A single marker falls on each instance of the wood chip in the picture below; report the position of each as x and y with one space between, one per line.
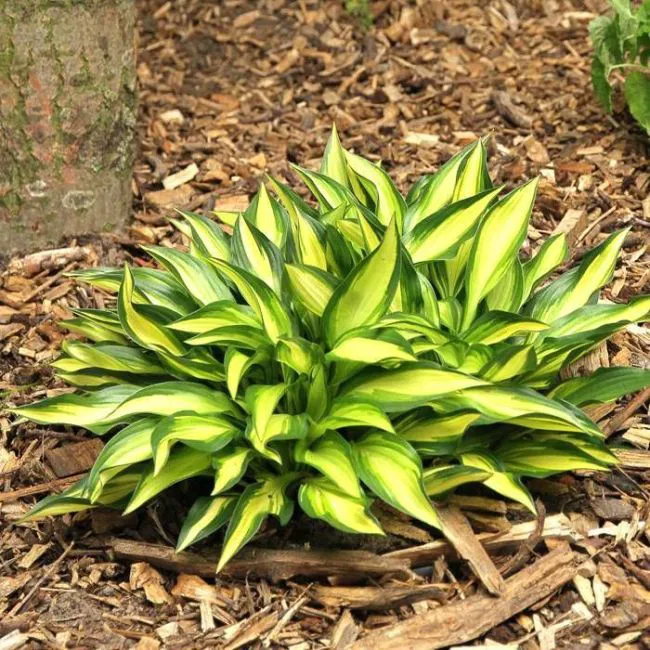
75 458
458 531
180 178
144 576
169 199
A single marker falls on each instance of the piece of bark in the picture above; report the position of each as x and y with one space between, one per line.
618 420
33 264
272 564
629 458
557 526
243 633
387 597
506 108
572 225
75 458
345 632
457 530
465 620
612 509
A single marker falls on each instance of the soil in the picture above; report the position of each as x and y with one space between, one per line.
241 89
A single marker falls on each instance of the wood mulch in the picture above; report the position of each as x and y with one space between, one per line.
231 90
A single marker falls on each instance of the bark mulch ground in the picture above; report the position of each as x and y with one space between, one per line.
232 90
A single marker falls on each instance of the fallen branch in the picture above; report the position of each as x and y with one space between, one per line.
466 620
387 597
557 526
274 565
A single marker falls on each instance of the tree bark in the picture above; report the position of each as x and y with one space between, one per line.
67 118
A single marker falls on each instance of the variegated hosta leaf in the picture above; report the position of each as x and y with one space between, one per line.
510 362
593 317
501 481
230 464
207 433
432 193
409 386
520 406
207 236
439 480
551 254
94 330
130 446
267 215
370 346
495 246
321 499
496 326
172 397
298 354
113 357
195 274
89 410
311 287
350 412
255 504
331 455
183 463
605 385
253 251
439 236
365 295
392 469
205 517
72 499
153 286
575 288
223 313
388 203
142 329
544 458
268 307
435 435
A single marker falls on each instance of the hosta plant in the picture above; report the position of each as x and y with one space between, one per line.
364 346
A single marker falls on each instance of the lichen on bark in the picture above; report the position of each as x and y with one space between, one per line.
67 117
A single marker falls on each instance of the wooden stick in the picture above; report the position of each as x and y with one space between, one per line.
387 597
56 484
460 534
265 563
556 526
465 620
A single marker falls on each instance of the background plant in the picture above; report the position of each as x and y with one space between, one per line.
622 43
374 346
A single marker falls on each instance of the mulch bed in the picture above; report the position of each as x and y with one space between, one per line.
235 89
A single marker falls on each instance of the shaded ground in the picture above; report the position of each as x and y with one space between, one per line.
239 89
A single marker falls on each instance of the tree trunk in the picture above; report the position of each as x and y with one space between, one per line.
67 118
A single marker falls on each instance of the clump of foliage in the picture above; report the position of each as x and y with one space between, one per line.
360 9
622 42
369 346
